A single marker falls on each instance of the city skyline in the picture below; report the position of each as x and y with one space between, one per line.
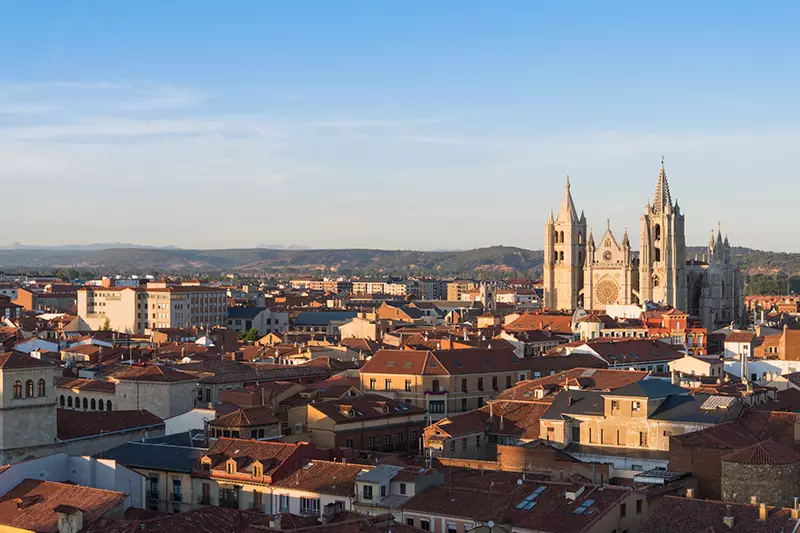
314 127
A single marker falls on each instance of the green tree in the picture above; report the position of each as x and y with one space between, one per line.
251 335
106 325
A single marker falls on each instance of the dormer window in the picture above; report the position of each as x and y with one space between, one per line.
258 470
231 467
636 406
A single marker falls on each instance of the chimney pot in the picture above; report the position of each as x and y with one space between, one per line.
753 500
690 493
728 519
762 512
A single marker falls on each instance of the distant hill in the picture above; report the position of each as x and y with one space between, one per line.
495 261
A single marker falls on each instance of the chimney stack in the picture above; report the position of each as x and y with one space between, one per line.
753 500
762 512
690 493
728 519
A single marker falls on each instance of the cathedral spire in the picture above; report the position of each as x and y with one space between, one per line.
567 213
662 199
550 219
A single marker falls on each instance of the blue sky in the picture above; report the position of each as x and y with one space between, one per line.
415 124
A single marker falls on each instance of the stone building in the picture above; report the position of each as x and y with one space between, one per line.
767 471
580 272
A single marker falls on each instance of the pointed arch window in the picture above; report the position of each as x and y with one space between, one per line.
561 256
658 232
656 281
658 254
555 257
562 237
555 236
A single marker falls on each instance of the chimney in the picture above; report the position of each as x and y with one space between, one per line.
728 519
690 493
275 523
762 512
70 519
753 500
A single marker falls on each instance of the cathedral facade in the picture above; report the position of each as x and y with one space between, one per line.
579 271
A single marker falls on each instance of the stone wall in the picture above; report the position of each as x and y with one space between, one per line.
775 485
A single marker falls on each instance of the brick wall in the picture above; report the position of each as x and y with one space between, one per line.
775 485
703 461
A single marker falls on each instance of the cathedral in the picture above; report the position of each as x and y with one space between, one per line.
580 271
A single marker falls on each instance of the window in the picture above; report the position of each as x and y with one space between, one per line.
373 384
410 522
408 385
494 382
371 443
309 506
387 384
614 405
177 492
348 443
436 406
387 441
435 385
642 439
383 491
639 506
402 489
464 444
478 441
508 382
283 503
452 447
414 437
85 403
451 527
424 525
464 385
61 400
257 499
69 401
93 404
108 405
398 439
40 388
667 433
463 404
636 406
622 510
258 470
367 492
480 383
29 388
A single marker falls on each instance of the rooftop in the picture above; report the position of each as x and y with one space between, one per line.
77 424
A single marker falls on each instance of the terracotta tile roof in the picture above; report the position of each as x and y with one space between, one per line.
324 477
86 385
552 511
202 520
366 407
158 373
633 351
766 452
39 499
272 456
76 424
689 515
254 416
561 324
416 362
740 336
12 360
583 378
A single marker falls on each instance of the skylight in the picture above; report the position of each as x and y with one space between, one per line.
583 507
529 502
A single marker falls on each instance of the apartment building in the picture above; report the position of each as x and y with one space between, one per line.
459 287
154 306
443 381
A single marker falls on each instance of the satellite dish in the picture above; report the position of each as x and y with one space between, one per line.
519 482
490 523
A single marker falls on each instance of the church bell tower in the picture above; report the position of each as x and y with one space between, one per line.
564 249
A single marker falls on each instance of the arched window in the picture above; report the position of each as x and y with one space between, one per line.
40 388
93 404
656 281
69 401
85 403
29 388
561 256
62 401
658 232
562 236
555 237
108 405
17 389
580 238
658 254
555 257
100 405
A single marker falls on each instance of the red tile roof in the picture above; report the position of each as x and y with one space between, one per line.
689 515
40 499
324 477
76 424
740 336
766 452
366 407
584 378
157 373
561 324
13 360
254 416
202 520
86 385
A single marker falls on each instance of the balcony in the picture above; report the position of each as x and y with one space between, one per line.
439 392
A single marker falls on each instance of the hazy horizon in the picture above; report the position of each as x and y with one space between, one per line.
417 126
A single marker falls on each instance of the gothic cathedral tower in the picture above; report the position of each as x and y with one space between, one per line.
662 256
564 249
